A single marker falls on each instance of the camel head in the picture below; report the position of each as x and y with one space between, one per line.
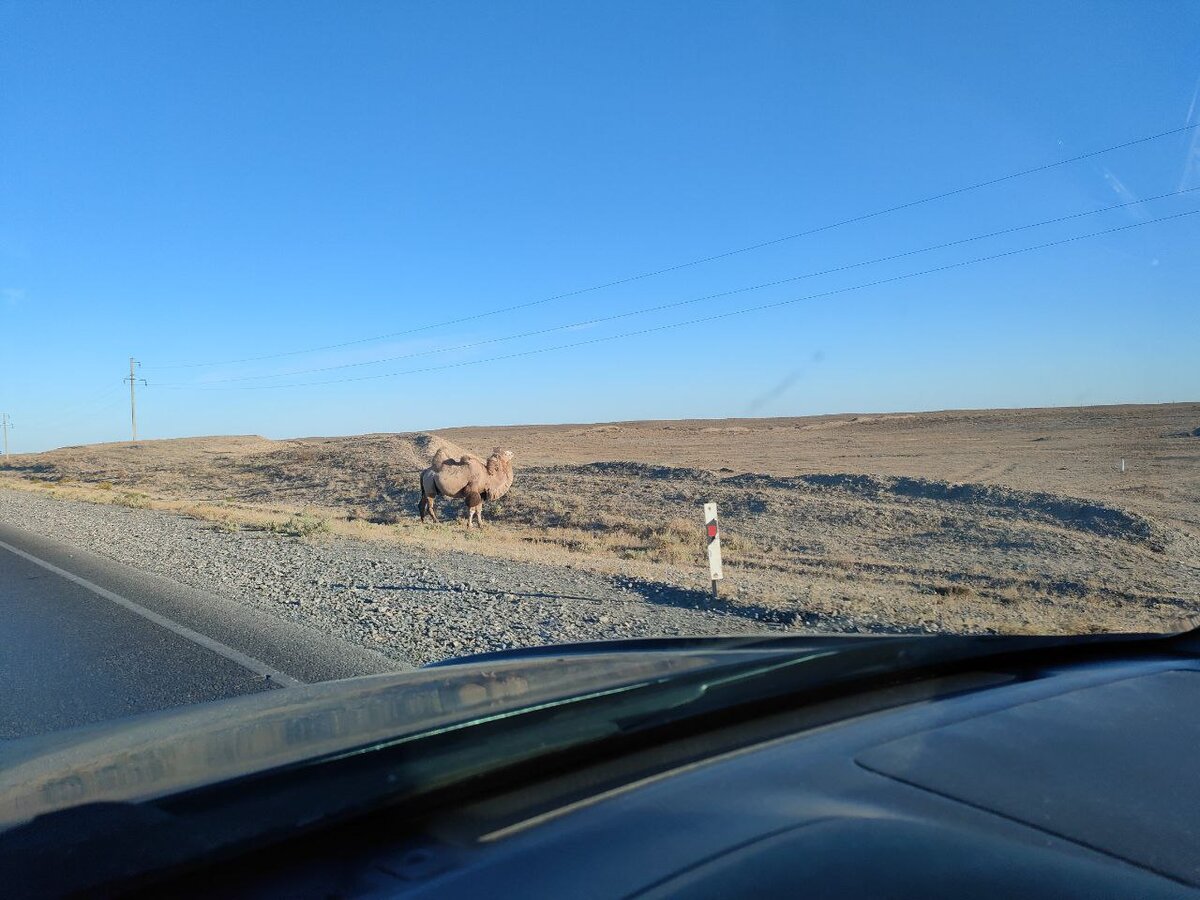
499 459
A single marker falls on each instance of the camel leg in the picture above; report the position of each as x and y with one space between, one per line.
428 509
474 504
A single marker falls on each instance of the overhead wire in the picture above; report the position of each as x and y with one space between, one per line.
676 304
695 262
99 402
703 319
91 403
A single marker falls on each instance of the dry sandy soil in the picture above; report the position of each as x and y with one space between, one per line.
1001 520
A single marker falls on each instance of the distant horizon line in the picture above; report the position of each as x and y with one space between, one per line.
648 421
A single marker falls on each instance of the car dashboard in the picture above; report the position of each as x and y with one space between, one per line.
1071 780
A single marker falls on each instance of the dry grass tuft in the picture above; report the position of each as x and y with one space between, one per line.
302 525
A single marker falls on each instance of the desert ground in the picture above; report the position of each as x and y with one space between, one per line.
970 521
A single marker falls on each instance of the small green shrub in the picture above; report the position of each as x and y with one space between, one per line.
298 525
954 590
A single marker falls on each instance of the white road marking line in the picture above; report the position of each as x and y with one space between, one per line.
247 662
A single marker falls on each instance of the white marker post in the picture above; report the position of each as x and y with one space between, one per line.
712 531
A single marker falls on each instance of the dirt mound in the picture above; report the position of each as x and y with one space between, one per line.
634 470
1071 512
364 469
367 470
425 445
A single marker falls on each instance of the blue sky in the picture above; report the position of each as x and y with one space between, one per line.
210 181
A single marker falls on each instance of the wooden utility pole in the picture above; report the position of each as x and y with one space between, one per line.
133 380
5 424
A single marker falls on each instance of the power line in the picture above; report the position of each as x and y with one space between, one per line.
665 306
91 405
703 319
93 400
696 262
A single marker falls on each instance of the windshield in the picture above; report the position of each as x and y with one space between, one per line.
345 339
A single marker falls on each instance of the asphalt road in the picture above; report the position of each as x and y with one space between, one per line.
84 640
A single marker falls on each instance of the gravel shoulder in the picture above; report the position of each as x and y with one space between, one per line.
413 606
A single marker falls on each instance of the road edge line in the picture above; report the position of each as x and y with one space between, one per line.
236 656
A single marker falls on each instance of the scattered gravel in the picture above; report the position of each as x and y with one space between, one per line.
413 605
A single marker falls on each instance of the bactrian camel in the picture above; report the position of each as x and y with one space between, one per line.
470 478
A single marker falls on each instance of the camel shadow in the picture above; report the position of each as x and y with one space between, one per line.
656 593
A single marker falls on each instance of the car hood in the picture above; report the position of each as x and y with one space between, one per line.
163 753
167 753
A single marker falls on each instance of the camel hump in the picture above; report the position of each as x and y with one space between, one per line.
439 459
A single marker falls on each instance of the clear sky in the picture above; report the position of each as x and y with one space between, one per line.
210 181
